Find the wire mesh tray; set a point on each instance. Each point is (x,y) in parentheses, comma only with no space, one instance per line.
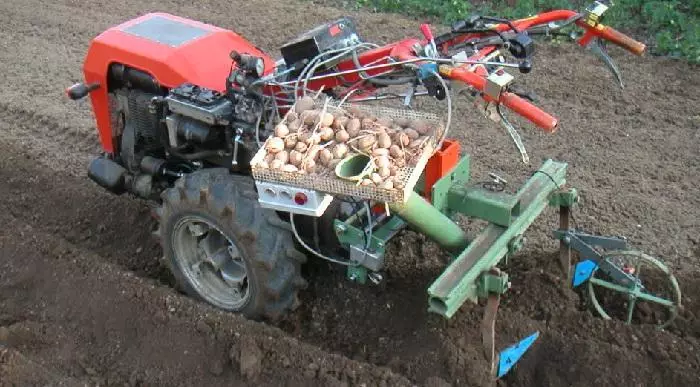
(325,180)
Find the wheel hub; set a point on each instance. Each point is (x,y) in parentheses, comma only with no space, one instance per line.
(212,262)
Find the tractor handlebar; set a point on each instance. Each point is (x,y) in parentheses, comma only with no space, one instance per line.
(618,38)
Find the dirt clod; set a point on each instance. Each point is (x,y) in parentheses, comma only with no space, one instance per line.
(250,358)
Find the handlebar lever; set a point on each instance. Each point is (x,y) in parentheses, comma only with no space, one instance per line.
(598,48)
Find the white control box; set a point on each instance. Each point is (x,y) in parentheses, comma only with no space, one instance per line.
(296,200)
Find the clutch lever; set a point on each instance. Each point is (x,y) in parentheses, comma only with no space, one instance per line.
(598,48)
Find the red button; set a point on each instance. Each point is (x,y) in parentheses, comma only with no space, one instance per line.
(300,198)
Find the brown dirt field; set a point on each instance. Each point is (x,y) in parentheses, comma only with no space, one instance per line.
(85,300)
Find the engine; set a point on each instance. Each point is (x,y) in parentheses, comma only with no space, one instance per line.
(197,115)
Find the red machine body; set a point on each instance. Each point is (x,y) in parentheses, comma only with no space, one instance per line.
(171,49)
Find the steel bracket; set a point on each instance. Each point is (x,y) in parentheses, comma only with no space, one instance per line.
(490,283)
(585,245)
(564,198)
(495,207)
(459,175)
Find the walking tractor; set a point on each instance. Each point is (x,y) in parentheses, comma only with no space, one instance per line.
(254,163)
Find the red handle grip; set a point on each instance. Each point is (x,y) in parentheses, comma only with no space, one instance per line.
(427,33)
(531,112)
(622,40)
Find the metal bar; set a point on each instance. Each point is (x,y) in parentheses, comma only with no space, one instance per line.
(457,283)
(488,330)
(622,289)
(403,62)
(564,249)
(428,220)
(495,207)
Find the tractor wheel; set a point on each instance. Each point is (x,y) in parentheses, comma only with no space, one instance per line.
(226,250)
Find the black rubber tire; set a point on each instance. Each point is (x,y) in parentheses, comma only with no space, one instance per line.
(266,242)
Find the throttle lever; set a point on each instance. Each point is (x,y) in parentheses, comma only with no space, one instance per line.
(597,47)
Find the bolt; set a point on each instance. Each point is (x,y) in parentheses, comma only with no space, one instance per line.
(375,277)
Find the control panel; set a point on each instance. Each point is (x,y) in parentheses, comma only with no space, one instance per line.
(296,200)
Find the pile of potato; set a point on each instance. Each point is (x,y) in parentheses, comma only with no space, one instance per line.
(312,140)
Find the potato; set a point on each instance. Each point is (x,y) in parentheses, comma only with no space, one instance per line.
(387,122)
(416,143)
(301,146)
(384,172)
(312,153)
(308,117)
(310,138)
(295,157)
(383,140)
(333,163)
(380,152)
(402,121)
(387,184)
(393,170)
(294,126)
(325,156)
(342,136)
(366,142)
(353,127)
(355,112)
(382,161)
(290,142)
(396,152)
(276,164)
(291,116)
(419,126)
(304,104)
(412,134)
(339,151)
(326,119)
(366,182)
(326,134)
(281,130)
(310,166)
(367,123)
(339,122)
(282,156)
(274,145)
(402,139)
(376,179)
(289,168)
(269,157)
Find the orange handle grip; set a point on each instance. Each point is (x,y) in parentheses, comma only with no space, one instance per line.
(521,106)
(529,111)
(622,40)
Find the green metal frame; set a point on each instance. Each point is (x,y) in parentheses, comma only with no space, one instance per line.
(464,278)
(469,276)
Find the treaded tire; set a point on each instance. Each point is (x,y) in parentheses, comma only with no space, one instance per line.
(265,241)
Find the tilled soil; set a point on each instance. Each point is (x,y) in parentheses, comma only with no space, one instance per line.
(85,299)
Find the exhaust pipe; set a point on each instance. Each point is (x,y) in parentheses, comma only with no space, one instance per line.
(108,174)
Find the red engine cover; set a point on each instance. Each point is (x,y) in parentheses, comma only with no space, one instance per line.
(173,50)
